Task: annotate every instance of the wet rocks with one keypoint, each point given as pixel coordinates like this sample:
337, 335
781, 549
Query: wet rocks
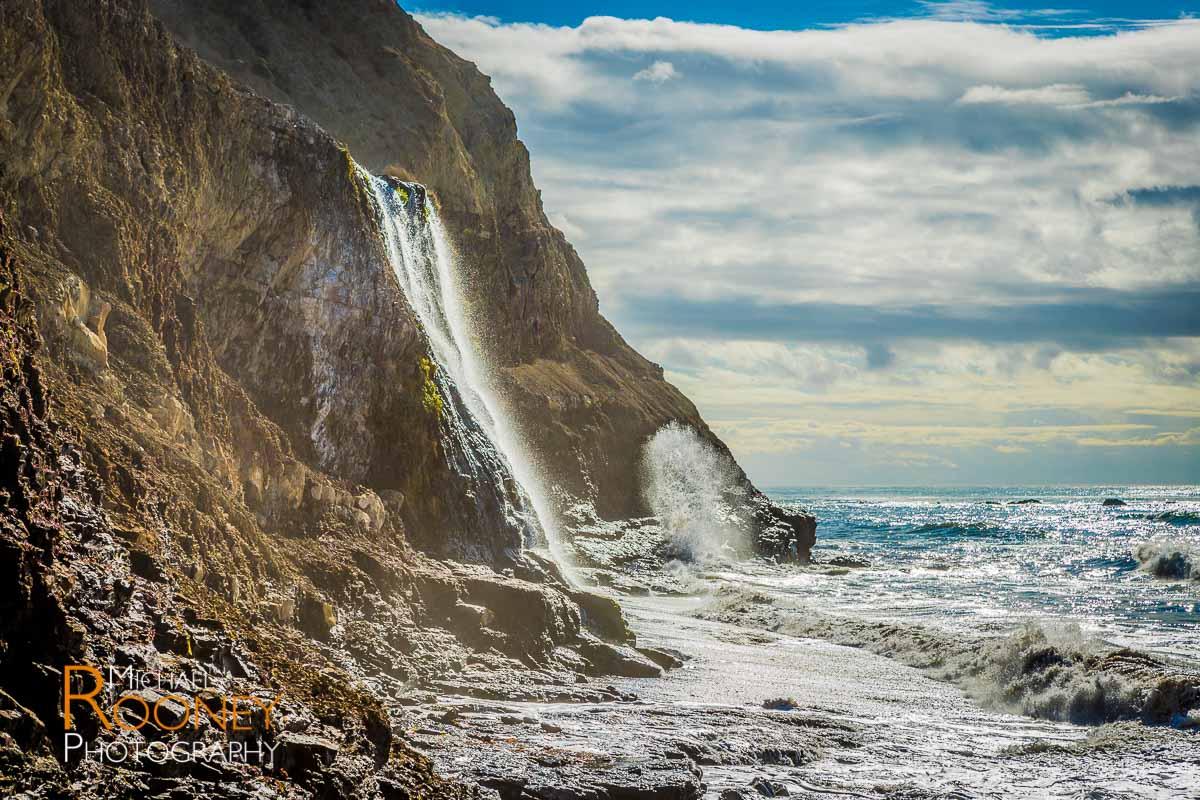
780, 704
615, 750
664, 657
612, 659
603, 617
316, 616
765, 787
299, 755
781, 534
529, 617
1113, 501
848, 562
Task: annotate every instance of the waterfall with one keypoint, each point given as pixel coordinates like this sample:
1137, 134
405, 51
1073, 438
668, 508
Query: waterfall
481, 440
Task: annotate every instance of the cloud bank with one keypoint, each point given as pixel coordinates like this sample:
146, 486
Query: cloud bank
842, 241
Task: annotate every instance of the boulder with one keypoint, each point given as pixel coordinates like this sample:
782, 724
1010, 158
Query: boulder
847, 562
602, 616
766, 787
316, 616
536, 618
614, 659
667, 659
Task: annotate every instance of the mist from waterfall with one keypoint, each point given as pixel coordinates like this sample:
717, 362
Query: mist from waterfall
482, 432
693, 490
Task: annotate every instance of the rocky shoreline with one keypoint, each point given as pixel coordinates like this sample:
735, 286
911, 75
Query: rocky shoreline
220, 455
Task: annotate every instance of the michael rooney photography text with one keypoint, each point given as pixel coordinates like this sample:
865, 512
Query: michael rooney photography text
153, 705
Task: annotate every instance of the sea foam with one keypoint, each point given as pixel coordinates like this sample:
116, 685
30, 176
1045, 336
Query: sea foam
1048, 671
1169, 559
693, 490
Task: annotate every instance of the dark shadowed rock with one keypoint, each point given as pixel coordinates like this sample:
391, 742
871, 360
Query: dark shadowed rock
765, 787
316, 616
848, 562
299, 755
602, 616
665, 658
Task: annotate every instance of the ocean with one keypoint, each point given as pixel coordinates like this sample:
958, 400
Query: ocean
947, 643
976, 644
983, 560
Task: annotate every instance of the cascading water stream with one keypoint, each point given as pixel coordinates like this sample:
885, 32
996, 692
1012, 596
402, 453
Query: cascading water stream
484, 442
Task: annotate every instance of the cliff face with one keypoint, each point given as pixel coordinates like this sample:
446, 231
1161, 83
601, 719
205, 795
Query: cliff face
177, 207
215, 452
83, 587
368, 73
217, 446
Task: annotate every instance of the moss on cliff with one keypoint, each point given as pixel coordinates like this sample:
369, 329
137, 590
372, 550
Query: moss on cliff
431, 398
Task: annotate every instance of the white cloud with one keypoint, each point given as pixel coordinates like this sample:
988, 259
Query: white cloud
1131, 99
1058, 94
1066, 95
903, 58
902, 164
658, 72
967, 11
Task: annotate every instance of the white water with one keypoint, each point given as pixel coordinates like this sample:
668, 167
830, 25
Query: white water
920, 738
693, 490
426, 267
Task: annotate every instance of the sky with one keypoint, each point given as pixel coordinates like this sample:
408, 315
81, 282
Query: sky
883, 243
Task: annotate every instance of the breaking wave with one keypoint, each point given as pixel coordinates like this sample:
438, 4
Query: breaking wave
693, 490
1044, 671
1174, 517
1169, 560
1055, 672
1177, 517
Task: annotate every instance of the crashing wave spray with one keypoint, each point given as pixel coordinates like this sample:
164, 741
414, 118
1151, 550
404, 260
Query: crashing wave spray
1169, 559
424, 263
693, 490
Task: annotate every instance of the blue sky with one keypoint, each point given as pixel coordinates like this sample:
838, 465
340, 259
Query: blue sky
877, 243
792, 16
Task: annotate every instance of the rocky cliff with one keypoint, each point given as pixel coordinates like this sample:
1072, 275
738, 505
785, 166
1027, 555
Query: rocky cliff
217, 447
216, 450
369, 74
